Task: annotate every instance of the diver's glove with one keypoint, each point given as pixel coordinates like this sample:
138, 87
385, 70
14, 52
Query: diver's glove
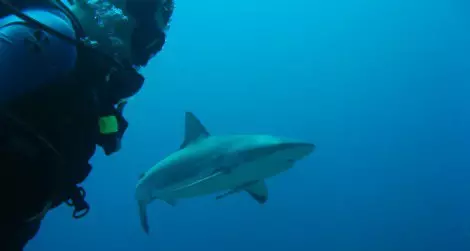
113, 125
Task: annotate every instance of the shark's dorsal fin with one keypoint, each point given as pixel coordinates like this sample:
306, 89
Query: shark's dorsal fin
258, 191
194, 130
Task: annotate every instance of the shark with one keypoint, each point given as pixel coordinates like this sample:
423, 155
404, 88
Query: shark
209, 164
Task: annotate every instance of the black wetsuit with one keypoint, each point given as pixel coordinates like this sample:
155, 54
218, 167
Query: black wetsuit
49, 114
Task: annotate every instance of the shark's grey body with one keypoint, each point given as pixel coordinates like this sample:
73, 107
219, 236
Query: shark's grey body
208, 164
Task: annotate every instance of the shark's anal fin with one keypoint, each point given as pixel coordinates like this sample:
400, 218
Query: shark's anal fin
171, 202
143, 216
258, 191
194, 130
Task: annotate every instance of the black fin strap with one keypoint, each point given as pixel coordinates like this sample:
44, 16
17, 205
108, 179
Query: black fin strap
77, 200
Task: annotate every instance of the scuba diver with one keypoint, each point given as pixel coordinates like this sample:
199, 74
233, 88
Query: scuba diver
66, 72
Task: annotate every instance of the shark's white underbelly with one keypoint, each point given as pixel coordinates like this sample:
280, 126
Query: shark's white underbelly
236, 178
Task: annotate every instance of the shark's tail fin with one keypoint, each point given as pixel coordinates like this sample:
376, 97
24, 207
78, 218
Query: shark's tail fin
143, 215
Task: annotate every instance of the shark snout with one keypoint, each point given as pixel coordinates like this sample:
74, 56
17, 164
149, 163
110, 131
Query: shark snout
300, 150
293, 151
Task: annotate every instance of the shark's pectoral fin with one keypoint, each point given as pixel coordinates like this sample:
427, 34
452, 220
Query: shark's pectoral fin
143, 216
194, 130
258, 191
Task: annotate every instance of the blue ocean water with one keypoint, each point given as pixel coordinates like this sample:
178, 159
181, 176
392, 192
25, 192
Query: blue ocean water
381, 87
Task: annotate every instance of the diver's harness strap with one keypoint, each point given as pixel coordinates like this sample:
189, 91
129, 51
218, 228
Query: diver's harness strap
75, 196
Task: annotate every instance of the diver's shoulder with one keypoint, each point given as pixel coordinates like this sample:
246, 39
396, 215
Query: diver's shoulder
54, 19
44, 54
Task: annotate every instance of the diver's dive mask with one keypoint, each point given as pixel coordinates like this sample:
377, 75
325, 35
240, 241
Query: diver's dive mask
123, 83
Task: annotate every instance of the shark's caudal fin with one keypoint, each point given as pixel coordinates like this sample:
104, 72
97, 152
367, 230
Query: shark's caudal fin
194, 130
143, 216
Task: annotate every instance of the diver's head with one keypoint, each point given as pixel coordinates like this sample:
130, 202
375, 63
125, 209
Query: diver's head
132, 31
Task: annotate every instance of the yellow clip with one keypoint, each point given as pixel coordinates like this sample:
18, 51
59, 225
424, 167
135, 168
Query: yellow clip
108, 124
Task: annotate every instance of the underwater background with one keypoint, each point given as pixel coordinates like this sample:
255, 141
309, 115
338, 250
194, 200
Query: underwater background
381, 87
